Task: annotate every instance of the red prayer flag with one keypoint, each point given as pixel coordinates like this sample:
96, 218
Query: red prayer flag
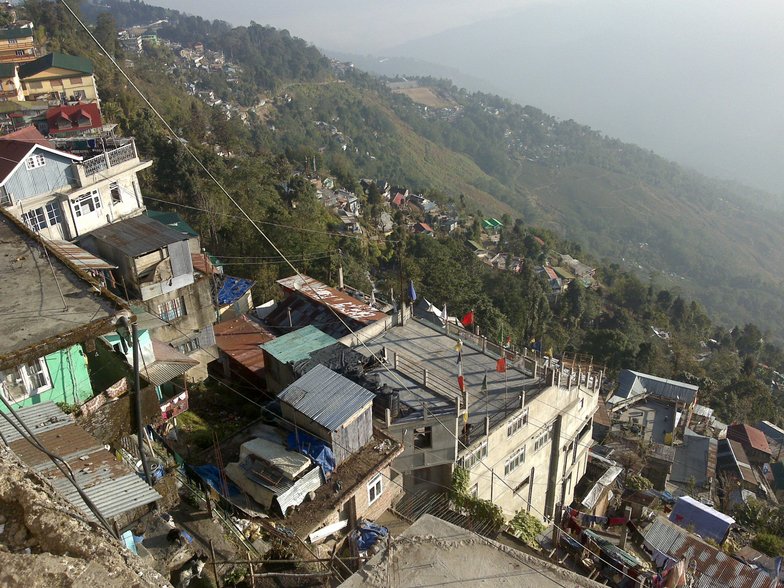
500, 365
461, 383
468, 319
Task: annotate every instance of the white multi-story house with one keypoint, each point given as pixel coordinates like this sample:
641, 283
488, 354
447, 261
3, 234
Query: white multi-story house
523, 434
62, 196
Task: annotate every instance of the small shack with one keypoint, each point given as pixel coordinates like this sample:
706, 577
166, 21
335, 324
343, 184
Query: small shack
332, 408
707, 522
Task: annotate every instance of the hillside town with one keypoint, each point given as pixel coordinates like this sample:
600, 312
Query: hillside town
368, 429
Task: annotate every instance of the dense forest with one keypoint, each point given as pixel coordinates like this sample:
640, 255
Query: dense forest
481, 155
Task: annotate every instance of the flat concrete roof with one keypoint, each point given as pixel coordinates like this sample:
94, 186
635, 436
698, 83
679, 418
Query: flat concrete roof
433, 350
433, 552
45, 304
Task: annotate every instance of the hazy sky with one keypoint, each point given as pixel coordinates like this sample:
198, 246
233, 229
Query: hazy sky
351, 25
697, 81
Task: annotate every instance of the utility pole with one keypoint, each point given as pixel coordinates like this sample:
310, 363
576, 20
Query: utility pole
400, 250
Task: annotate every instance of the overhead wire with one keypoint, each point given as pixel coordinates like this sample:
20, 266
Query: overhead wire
255, 224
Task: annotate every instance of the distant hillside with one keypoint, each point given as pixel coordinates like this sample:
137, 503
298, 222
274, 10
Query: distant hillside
717, 241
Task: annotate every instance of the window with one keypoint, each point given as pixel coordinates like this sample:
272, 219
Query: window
542, 439
75, 81
114, 188
54, 214
33, 85
475, 490
87, 203
189, 346
517, 423
375, 488
423, 438
20, 53
35, 219
13, 41
35, 161
57, 83
515, 460
25, 381
474, 457
172, 309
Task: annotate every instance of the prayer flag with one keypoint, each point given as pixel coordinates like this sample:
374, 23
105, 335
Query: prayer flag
468, 319
461, 383
484, 383
500, 365
411, 291
459, 345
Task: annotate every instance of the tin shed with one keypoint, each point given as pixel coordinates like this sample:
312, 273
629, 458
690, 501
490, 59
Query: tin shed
332, 408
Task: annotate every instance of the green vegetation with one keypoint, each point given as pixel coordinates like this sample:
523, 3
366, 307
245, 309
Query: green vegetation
771, 545
527, 528
474, 508
485, 156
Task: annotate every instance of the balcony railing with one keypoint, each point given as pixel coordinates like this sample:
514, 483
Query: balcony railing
108, 159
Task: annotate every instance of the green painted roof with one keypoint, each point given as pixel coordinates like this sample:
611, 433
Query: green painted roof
298, 345
7, 70
564, 273
16, 33
59, 60
172, 219
492, 223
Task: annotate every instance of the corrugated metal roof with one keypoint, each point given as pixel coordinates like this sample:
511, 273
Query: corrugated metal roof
327, 398
298, 345
80, 257
749, 437
241, 339
708, 522
339, 301
696, 458
631, 383
39, 418
703, 411
137, 235
112, 485
714, 567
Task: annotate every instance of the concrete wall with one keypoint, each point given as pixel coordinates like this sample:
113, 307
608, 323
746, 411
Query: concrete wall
548, 474
199, 314
420, 466
69, 84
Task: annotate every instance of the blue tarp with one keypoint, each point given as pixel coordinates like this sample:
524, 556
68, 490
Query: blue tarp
314, 448
233, 289
368, 535
211, 474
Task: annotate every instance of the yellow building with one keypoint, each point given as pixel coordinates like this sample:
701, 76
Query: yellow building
17, 45
10, 85
61, 77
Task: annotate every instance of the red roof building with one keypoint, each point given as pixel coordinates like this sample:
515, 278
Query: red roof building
753, 441
239, 342
73, 119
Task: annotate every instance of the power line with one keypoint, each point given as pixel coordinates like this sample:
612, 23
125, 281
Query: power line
260, 222
261, 232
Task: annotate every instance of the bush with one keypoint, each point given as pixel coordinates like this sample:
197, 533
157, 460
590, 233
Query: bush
638, 482
769, 544
526, 527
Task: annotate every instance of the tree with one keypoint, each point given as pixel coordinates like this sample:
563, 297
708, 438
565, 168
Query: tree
105, 32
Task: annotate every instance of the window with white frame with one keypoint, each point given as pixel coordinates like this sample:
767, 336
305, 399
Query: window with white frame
515, 460
54, 213
375, 488
516, 423
189, 346
543, 438
35, 161
172, 309
472, 458
114, 188
35, 219
25, 381
13, 41
87, 203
